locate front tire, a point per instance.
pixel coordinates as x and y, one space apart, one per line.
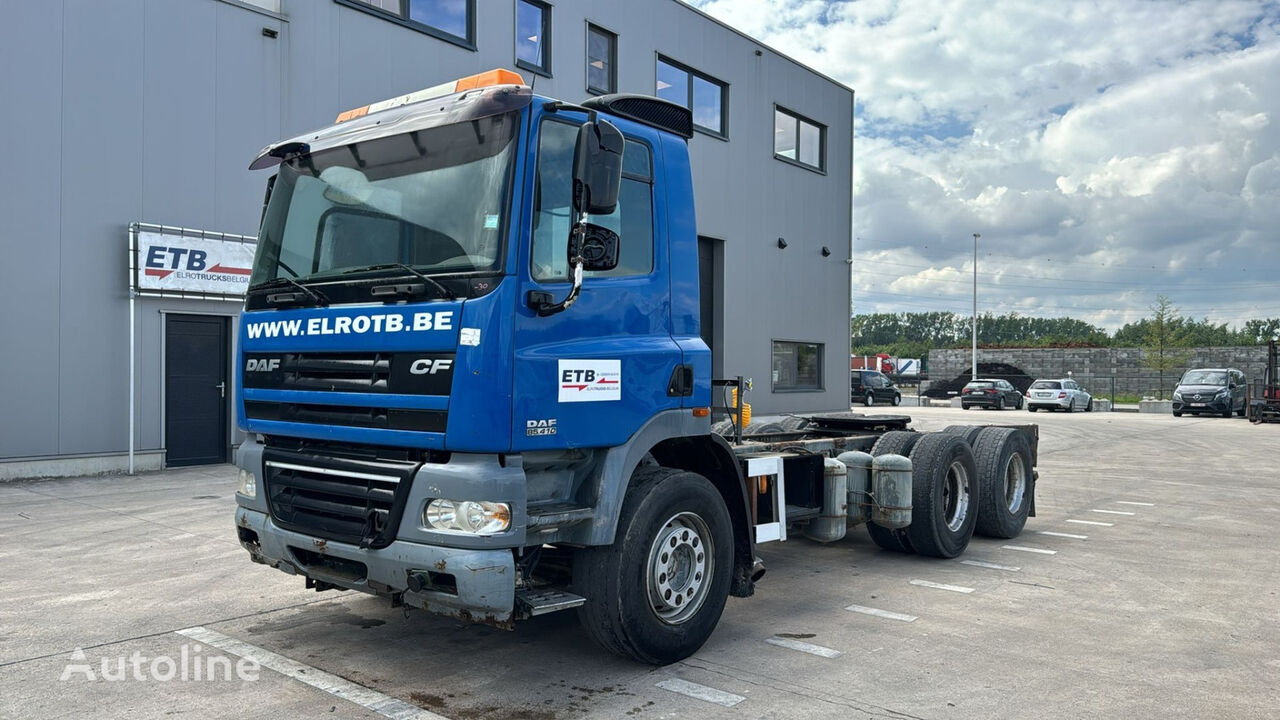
1089 406
656 594
897 399
1177 414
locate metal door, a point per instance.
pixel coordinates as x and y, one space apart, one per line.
195 389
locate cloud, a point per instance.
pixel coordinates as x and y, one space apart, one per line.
1106 152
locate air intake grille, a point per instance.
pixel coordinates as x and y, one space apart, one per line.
351 501
648 110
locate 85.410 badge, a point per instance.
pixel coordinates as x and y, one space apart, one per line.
535 428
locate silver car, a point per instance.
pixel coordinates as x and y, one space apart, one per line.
1061 394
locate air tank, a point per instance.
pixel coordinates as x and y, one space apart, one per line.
830 525
891 487
858 485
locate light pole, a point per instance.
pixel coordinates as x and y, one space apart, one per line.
975 306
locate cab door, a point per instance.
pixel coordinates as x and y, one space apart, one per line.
591 375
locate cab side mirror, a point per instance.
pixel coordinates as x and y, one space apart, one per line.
597 168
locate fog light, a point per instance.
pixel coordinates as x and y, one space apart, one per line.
475 517
248 483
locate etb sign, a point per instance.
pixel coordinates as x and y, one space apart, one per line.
183 264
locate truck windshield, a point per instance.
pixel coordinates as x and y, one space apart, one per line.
435 200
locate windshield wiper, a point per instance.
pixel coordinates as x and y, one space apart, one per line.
316 296
396 289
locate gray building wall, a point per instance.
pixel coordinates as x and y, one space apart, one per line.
1101 371
150 110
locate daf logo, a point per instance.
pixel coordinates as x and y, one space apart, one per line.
427 366
262 365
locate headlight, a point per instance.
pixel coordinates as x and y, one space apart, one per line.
248 483
475 517
1177 396
1223 393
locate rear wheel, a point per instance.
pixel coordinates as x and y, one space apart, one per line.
944 495
1071 405
1003 459
896 442
1243 407
1000 403
968 432
656 594
1031 408
869 400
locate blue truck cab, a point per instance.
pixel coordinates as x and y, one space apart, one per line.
440 412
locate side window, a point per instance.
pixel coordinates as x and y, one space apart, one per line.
553 208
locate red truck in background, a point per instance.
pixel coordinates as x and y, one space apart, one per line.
880 361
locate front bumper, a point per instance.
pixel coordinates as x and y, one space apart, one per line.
473 585
1217 405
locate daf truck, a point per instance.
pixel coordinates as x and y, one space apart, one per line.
472 382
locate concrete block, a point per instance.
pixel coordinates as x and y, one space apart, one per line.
1156 406
1101 405
955 402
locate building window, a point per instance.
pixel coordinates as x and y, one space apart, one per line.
602 58
799 140
796 366
702 94
553 207
533 36
451 20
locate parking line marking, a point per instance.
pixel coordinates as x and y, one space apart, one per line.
941 586
380 703
1130 502
805 647
1092 522
1021 548
1065 535
881 613
1113 512
993 566
701 692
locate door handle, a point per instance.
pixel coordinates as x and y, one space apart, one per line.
222 389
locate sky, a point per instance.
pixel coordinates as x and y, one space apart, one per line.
1106 152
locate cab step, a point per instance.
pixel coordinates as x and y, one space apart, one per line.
541 602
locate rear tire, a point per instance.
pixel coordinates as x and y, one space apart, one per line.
1000 403
1003 459
1242 410
968 432
896 442
674 540
1031 408
944 495
869 400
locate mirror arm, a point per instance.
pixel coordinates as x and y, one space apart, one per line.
541 301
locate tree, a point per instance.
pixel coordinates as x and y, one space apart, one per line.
1159 344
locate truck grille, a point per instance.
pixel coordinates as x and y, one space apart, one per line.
348 500
347 416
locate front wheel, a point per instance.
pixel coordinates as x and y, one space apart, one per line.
897 399
1089 406
1177 414
656 594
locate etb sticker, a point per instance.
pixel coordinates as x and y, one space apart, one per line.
590 380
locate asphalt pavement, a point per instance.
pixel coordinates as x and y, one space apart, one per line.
1145 587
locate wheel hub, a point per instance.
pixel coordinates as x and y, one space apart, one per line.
955 496
680 567
1015 483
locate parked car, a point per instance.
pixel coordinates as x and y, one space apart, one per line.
1220 391
998 394
1061 394
869 387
